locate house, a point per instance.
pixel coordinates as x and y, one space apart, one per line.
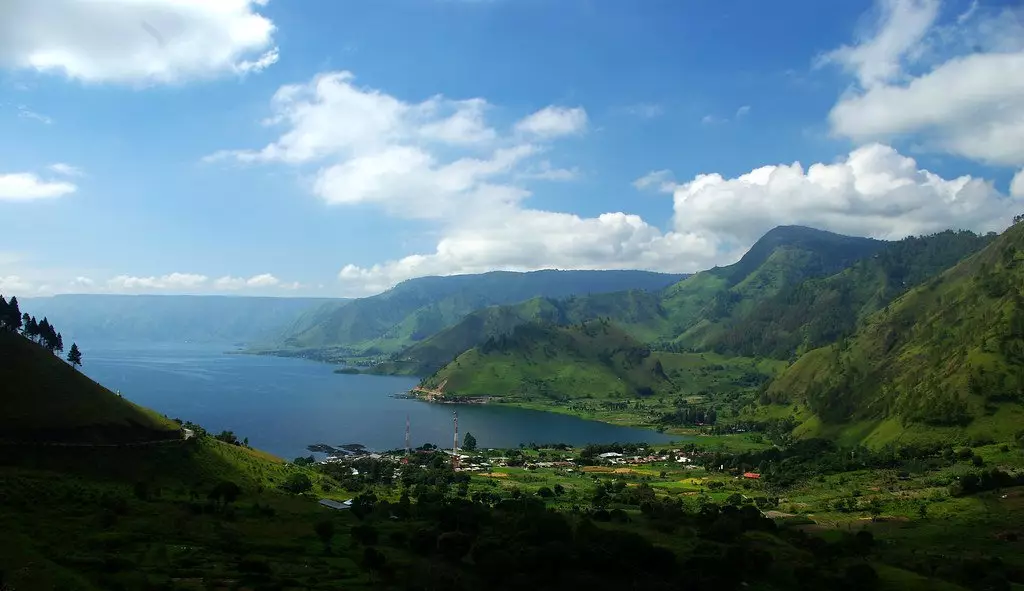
336 505
753 475
609 455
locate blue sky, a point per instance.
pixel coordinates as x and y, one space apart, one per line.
336 148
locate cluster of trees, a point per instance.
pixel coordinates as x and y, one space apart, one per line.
690 416
13 320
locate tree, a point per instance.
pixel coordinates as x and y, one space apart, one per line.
297 483
74 355
60 343
325 531
469 442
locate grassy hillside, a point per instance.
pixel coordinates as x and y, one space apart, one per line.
592 360
148 318
945 360
419 308
45 399
817 312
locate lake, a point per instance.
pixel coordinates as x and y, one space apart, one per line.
283 404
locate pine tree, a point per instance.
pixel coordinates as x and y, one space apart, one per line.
32 328
60 343
74 355
5 314
15 314
24 323
469 442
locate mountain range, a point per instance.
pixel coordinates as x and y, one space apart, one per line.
171 318
418 308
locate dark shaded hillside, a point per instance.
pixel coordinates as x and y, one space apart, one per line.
817 312
947 358
419 308
42 398
159 318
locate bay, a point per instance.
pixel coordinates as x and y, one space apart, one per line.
284 404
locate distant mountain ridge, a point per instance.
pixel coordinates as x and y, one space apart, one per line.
172 318
677 317
419 308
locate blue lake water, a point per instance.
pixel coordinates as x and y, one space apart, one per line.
282 405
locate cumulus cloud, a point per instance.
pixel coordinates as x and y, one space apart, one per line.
184 281
875 192
26 186
15 285
967 98
229 283
554 121
143 41
1017 185
429 159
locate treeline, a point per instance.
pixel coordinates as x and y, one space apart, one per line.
12 319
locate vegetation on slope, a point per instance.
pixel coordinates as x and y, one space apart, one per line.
676 318
944 360
636 311
817 312
595 359
46 399
418 308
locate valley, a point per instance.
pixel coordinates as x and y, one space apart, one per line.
828 412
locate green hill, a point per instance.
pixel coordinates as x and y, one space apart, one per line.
944 361
595 359
817 312
418 308
45 399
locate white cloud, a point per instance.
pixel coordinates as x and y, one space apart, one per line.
897 35
430 159
229 283
742 111
15 285
83 282
183 281
553 121
967 101
25 186
1017 185
66 169
142 41
660 180
26 113
874 191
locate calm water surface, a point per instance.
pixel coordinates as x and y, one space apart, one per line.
282 405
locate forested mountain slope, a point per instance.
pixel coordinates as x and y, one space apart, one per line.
418 308
162 318
639 312
817 312
673 317
944 360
